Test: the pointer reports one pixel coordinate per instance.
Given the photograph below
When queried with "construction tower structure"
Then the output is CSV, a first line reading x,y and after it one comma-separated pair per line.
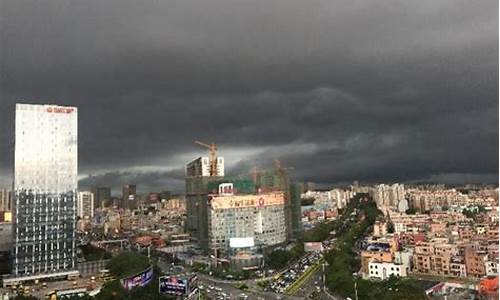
x,y
212,149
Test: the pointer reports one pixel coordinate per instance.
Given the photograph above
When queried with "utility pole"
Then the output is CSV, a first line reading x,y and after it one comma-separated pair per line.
x,y
355,275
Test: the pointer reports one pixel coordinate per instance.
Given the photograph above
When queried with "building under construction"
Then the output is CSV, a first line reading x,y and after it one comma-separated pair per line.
x,y
204,177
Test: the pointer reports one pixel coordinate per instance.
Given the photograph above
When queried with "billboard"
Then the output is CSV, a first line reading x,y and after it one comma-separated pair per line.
x,y
177,285
223,202
138,280
241,242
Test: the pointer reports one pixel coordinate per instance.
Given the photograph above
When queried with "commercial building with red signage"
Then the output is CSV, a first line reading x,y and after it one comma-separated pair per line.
x,y
260,217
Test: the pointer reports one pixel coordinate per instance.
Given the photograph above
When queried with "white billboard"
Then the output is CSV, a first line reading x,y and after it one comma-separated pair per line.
x,y
241,242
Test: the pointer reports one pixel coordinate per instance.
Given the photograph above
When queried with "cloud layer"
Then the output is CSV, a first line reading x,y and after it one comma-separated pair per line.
x,y
341,91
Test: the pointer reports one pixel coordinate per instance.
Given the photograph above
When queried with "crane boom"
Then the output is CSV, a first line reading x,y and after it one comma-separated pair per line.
x,y
204,144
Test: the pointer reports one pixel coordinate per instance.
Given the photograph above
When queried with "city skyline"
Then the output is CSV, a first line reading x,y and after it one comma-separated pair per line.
x,y
325,89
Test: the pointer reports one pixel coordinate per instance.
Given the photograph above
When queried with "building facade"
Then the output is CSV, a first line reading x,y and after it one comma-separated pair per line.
x,y
389,195
129,196
45,183
258,217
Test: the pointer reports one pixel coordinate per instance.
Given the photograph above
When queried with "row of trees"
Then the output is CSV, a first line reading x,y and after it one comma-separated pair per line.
x,y
280,258
343,262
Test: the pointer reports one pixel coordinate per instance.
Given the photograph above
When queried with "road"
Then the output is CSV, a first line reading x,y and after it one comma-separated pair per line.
x,y
216,288
313,287
229,287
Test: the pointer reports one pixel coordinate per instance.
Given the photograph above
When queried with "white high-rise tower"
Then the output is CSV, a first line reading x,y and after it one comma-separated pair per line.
x,y
45,184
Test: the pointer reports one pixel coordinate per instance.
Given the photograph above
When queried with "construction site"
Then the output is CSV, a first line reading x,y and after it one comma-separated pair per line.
x,y
235,219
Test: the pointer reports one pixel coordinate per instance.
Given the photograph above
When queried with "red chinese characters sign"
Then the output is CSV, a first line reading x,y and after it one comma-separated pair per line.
x,y
60,110
223,202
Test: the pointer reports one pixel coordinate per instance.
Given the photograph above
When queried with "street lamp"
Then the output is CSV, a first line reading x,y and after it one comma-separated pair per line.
x,y
214,261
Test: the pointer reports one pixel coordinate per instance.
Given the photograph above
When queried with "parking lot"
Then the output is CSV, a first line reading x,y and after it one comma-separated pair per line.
x,y
41,289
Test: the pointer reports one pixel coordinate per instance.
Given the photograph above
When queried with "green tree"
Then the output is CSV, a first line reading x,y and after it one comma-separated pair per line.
x,y
127,263
124,265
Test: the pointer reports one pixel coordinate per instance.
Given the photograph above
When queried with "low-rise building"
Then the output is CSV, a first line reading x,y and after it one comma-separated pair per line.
x,y
458,267
491,268
475,261
383,270
368,256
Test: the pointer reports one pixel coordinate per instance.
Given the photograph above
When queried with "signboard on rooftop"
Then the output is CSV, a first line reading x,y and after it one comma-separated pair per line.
x,y
235,201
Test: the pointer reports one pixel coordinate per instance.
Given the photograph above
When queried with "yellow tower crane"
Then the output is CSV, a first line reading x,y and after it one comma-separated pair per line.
x,y
212,149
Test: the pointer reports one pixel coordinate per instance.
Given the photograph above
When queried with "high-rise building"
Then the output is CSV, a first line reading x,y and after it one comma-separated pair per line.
x,y
197,209
5,204
296,209
102,196
197,180
129,196
279,180
85,205
45,184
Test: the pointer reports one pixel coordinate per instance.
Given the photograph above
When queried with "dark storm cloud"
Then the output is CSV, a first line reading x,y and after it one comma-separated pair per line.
x,y
149,181
341,91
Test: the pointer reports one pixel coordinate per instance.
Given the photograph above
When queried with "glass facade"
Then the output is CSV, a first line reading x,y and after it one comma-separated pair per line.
x,y
45,184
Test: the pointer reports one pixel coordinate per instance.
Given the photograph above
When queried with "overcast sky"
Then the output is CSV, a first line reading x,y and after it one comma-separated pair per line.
x,y
340,90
